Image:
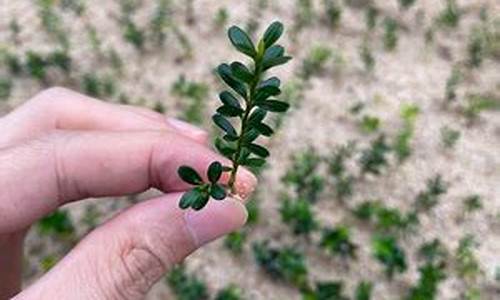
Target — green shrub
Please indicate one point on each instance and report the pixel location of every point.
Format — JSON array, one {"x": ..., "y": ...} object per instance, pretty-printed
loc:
[
  {"x": 387, "y": 251},
  {"x": 185, "y": 286},
  {"x": 337, "y": 241},
  {"x": 298, "y": 215}
]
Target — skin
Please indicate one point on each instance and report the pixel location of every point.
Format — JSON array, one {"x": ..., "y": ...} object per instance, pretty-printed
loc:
[{"x": 64, "y": 147}]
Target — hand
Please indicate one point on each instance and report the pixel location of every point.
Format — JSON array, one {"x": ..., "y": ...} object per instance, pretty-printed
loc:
[{"x": 61, "y": 147}]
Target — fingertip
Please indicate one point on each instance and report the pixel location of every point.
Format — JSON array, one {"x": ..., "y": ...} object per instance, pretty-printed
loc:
[{"x": 245, "y": 184}]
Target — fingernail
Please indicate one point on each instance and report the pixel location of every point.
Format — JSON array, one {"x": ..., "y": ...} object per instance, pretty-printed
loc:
[
  {"x": 186, "y": 128},
  {"x": 215, "y": 220},
  {"x": 245, "y": 183}
]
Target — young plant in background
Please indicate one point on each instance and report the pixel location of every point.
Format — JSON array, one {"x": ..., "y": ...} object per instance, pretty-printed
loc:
[
  {"x": 390, "y": 34},
  {"x": 450, "y": 15},
  {"x": 195, "y": 93},
  {"x": 298, "y": 215},
  {"x": 337, "y": 241},
  {"x": 366, "y": 55},
  {"x": 59, "y": 224},
  {"x": 185, "y": 286},
  {"x": 333, "y": 12},
  {"x": 5, "y": 88},
  {"x": 374, "y": 158},
  {"x": 429, "y": 198},
  {"x": 231, "y": 292},
  {"x": 387, "y": 251},
  {"x": 315, "y": 61},
  {"x": 342, "y": 180},
  {"x": 325, "y": 290},
  {"x": 449, "y": 137},
  {"x": 282, "y": 263},
  {"x": 363, "y": 291},
  {"x": 477, "y": 103},
  {"x": 235, "y": 241},
  {"x": 452, "y": 84},
  {"x": 406, "y": 4},
  {"x": 371, "y": 14},
  {"x": 255, "y": 91},
  {"x": 303, "y": 176},
  {"x": 402, "y": 143}
]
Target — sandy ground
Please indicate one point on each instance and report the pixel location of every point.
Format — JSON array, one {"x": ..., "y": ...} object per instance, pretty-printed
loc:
[{"x": 414, "y": 73}]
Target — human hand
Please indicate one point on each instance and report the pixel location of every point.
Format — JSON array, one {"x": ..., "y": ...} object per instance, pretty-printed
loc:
[{"x": 61, "y": 147}]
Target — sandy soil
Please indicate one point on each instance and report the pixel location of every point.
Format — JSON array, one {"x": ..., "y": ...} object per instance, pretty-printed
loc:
[{"x": 414, "y": 73}]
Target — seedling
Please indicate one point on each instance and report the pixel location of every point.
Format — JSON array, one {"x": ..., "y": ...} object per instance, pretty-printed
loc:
[
  {"x": 433, "y": 252},
  {"x": 11, "y": 61},
  {"x": 298, "y": 215},
  {"x": 48, "y": 262},
  {"x": 76, "y": 6},
  {"x": 342, "y": 180},
  {"x": 5, "y": 88},
  {"x": 387, "y": 251},
  {"x": 429, "y": 198},
  {"x": 467, "y": 265},
  {"x": 476, "y": 47},
  {"x": 235, "y": 241},
  {"x": 371, "y": 14},
  {"x": 374, "y": 158},
  {"x": 333, "y": 12},
  {"x": 15, "y": 30},
  {"x": 52, "y": 22},
  {"x": 195, "y": 93},
  {"x": 452, "y": 83},
  {"x": 363, "y": 291},
  {"x": 282, "y": 263},
  {"x": 58, "y": 223},
  {"x": 185, "y": 286},
  {"x": 304, "y": 15},
  {"x": 472, "y": 203},
  {"x": 326, "y": 290},
  {"x": 450, "y": 16},
  {"x": 337, "y": 241},
  {"x": 231, "y": 292},
  {"x": 314, "y": 63},
  {"x": 249, "y": 84},
  {"x": 367, "y": 57},
  {"x": 477, "y": 103},
  {"x": 160, "y": 21},
  {"x": 406, "y": 4},
  {"x": 303, "y": 176},
  {"x": 36, "y": 65},
  {"x": 98, "y": 86},
  {"x": 390, "y": 34},
  {"x": 449, "y": 137},
  {"x": 402, "y": 144},
  {"x": 221, "y": 17},
  {"x": 369, "y": 124}
]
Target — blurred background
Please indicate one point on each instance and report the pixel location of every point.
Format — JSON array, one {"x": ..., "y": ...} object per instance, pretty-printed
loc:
[{"x": 383, "y": 181}]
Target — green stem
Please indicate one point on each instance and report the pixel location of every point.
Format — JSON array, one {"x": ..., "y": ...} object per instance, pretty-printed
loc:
[{"x": 248, "y": 109}]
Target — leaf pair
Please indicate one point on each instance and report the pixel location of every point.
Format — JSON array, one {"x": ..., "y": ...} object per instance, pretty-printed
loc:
[{"x": 198, "y": 197}]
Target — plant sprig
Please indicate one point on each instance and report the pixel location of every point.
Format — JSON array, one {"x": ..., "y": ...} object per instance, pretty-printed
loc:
[{"x": 249, "y": 101}]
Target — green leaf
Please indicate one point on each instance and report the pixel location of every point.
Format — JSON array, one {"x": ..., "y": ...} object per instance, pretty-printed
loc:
[
  {"x": 189, "y": 175},
  {"x": 274, "y": 52},
  {"x": 273, "y": 33},
  {"x": 217, "y": 192},
  {"x": 214, "y": 171},
  {"x": 264, "y": 129},
  {"x": 256, "y": 116},
  {"x": 224, "y": 124},
  {"x": 225, "y": 73},
  {"x": 230, "y": 111},
  {"x": 241, "y": 41},
  {"x": 241, "y": 72},
  {"x": 224, "y": 148},
  {"x": 265, "y": 92},
  {"x": 276, "y": 62},
  {"x": 258, "y": 150},
  {"x": 189, "y": 198},
  {"x": 254, "y": 162},
  {"x": 274, "y": 105},
  {"x": 228, "y": 99},
  {"x": 250, "y": 136},
  {"x": 200, "y": 202},
  {"x": 273, "y": 81}
]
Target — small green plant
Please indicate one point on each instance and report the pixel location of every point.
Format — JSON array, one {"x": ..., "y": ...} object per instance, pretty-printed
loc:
[
  {"x": 325, "y": 290},
  {"x": 450, "y": 16},
  {"x": 369, "y": 124},
  {"x": 196, "y": 93},
  {"x": 342, "y": 180},
  {"x": 36, "y": 65},
  {"x": 477, "y": 103},
  {"x": 235, "y": 241},
  {"x": 231, "y": 292},
  {"x": 15, "y": 30},
  {"x": 476, "y": 47},
  {"x": 363, "y": 291},
  {"x": 367, "y": 57},
  {"x": 452, "y": 84},
  {"x": 185, "y": 286},
  {"x": 48, "y": 262},
  {"x": 449, "y": 137},
  {"x": 371, "y": 14},
  {"x": 249, "y": 83},
  {"x": 282, "y": 263},
  {"x": 160, "y": 21},
  {"x": 58, "y": 223},
  {"x": 390, "y": 34},
  {"x": 315, "y": 61},
  {"x": 221, "y": 17},
  {"x": 5, "y": 88},
  {"x": 472, "y": 203},
  {"x": 98, "y": 86},
  {"x": 406, "y": 4},
  {"x": 387, "y": 251},
  {"x": 76, "y": 6},
  {"x": 429, "y": 198},
  {"x": 303, "y": 175},
  {"x": 52, "y": 22},
  {"x": 337, "y": 241},
  {"x": 333, "y": 12},
  {"x": 298, "y": 215},
  {"x": 467, "y": 265},
  {"x": 402, "y": 143},
  {"x": 374, "y": 158},
  {"x": 384, "y": 218}
]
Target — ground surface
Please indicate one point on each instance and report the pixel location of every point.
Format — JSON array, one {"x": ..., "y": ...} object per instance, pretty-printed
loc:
[{"x": 414, "y": 73}]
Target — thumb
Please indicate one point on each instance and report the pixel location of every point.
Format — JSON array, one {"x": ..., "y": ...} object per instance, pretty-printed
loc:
[{"x": 123, "y": 258}]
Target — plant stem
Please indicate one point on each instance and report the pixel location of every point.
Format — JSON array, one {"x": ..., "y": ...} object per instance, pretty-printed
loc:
[{"x": 248, "y": 109}]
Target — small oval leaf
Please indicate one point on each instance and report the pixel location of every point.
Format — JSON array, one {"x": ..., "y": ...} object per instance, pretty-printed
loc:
[
  {"x": 217, "y": 192},
  {"x": 224, "y": 124},
  {"x": 241, "y": 72},
  {"x": 241, "y": 41},
  {"x": 273, "y": 33},
  {"x": 189, "y": 175},
  {"x": 214, "y": 171},
  {"x": 258, "y": 150},
  {"x": 274, "y": 106}
]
